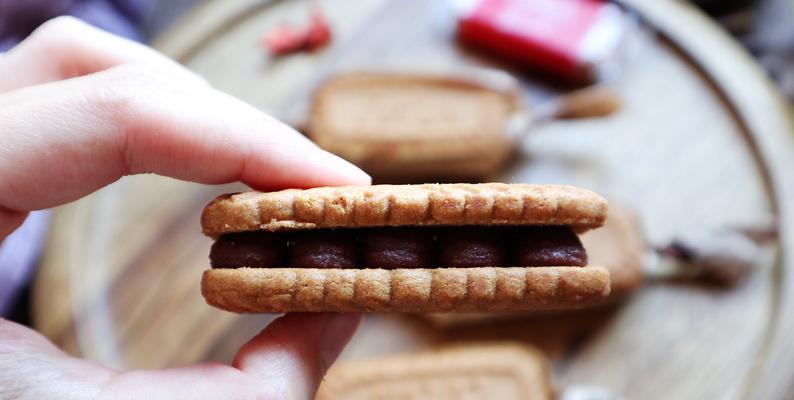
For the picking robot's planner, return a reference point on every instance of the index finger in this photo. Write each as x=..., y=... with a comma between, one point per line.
x=66, y=139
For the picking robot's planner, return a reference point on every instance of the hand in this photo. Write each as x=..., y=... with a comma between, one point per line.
x=79, y=108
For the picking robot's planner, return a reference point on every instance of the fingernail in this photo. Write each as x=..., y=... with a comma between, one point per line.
x=339, y=328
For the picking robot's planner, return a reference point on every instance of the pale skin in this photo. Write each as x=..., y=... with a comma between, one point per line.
x=80, y=108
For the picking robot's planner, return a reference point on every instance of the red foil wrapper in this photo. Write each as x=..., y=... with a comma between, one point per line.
x=568, y=39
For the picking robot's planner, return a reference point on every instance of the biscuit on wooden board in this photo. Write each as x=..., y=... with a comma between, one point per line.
x=502, y=371
x=439, y=289
x=414, y=127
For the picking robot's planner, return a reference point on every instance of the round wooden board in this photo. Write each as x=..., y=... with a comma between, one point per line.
x=702, y=140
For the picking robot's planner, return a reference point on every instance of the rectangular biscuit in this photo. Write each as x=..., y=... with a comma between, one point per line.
x=399, y=126
x=504, y=371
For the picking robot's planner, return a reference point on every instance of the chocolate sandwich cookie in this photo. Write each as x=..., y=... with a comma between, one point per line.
x=404, y=248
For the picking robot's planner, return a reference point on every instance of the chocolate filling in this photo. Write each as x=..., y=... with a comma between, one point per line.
x=552, y=245
x=402, y=247
x=249, y=249
x=390, y=248
x=323, y=249
x=467, y=248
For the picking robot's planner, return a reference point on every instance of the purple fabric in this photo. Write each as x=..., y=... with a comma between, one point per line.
x=105, y=15
x=19, y=254
x=134, y=10
x=20, y=17
x=20, y=251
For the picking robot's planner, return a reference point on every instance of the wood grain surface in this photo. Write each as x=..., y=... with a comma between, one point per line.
x=703, y=140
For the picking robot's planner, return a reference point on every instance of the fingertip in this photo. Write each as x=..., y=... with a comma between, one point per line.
x=312, y=167
x=300, y=162
x=344, y=172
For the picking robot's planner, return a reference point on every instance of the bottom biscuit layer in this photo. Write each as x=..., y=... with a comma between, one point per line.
x=404, y=290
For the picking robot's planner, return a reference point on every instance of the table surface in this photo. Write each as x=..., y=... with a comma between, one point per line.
x=701, y=141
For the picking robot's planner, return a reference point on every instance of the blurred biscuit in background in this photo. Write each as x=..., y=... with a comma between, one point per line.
x=502, y=371
x=410, y=127
x=621, y=247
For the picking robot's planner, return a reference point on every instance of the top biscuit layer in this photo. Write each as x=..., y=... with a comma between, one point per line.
x=405, y=205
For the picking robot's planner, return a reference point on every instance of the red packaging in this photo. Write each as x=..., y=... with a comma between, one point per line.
x=286, y=39
x=569, y=39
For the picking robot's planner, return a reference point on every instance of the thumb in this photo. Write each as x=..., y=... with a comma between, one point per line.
x=293, y=353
